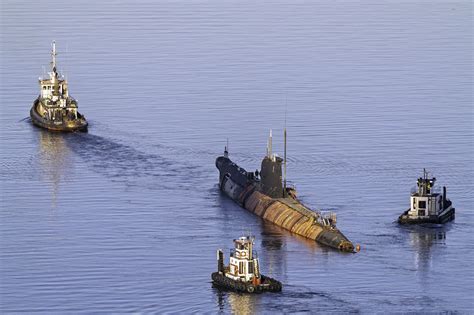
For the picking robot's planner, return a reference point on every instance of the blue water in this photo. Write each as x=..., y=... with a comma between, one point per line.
x=127, y=218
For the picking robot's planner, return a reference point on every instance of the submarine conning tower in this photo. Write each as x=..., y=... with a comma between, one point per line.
x=271, y=174
x=265, y=194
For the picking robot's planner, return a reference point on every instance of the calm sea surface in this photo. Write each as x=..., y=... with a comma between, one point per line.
x=127, y=218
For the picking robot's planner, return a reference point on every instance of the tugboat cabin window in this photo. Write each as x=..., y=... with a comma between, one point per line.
x=422, y=204
x=250, y=266
x=241, y=267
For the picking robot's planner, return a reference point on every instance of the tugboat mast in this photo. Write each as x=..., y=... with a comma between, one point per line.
x=53, y=55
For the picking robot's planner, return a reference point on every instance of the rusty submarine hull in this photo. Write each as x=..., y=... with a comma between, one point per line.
x=263, y=193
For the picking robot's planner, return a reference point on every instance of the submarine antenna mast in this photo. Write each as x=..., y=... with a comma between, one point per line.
x=269, y=146
x=226, y=150
x=284, y=165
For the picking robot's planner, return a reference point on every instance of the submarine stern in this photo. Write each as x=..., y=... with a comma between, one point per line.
x=335, y=239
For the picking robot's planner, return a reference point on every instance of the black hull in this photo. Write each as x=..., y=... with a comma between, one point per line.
x=70, y=126
x=267, y=284
x=447, y=217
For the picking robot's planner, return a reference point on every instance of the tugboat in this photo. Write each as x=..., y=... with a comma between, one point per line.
x=55, y=109
x=243, y=273
x=428, y=206
x=265, y=194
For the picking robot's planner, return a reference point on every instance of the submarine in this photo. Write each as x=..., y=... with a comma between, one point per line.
x=265, y=193
x=54, y=109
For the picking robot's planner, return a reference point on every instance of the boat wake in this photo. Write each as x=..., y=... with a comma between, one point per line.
x=28, y=119
x=123, y=163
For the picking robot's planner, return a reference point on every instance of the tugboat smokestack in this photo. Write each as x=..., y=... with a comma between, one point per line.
x=220, y=261
x=444, y=197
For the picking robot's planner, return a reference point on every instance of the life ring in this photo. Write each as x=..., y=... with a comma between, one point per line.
x=243, y=254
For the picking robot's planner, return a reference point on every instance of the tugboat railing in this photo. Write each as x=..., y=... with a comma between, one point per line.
x=434, y=190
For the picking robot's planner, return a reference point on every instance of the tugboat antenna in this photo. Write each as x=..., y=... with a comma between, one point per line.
x=65, y=64
x=53, y=55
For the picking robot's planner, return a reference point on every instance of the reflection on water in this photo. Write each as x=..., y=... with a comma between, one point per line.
x=423, y=240
x=56, y=162
x=241, y=303
x=220, y=295
x=273, y=257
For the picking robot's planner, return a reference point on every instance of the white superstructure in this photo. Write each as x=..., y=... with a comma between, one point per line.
x=244, y=265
